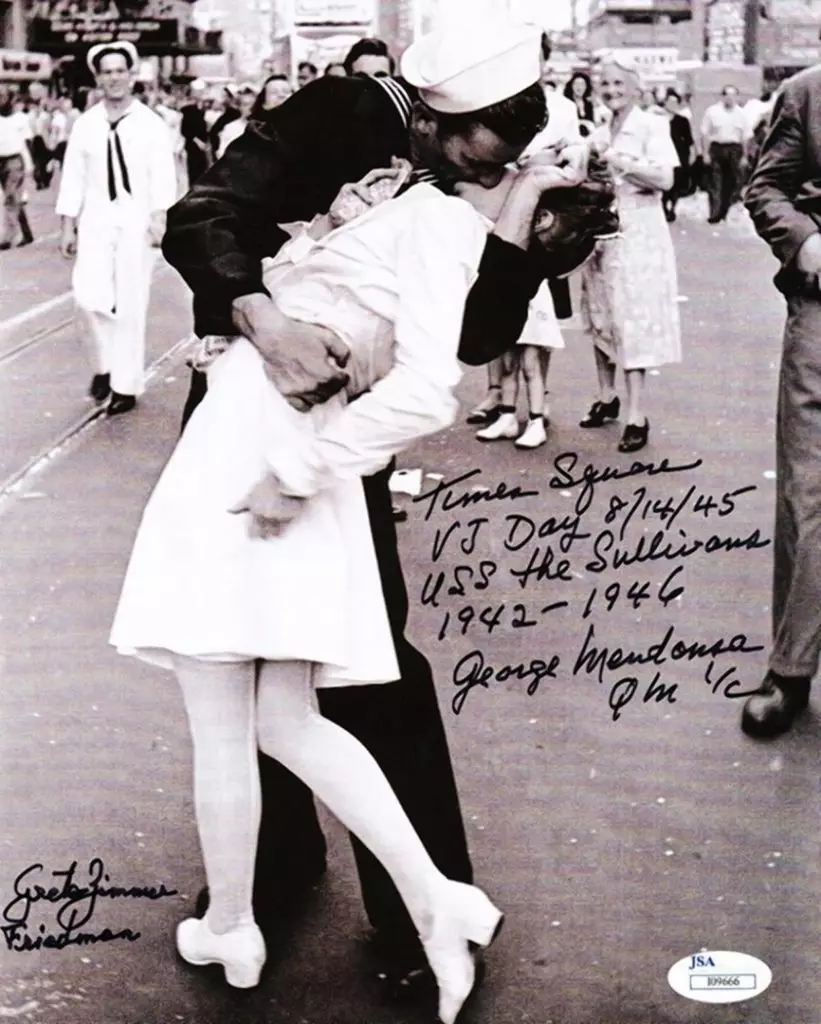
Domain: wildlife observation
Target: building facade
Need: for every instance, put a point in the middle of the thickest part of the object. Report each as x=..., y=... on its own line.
x=662, y=25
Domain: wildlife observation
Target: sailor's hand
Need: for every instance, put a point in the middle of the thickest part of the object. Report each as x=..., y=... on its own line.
x=304, y=361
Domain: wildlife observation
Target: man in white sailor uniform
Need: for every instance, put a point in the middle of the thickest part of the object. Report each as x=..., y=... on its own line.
x=117, y=183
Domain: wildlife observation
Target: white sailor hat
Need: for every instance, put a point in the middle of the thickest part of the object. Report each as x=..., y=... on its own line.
x=474, y=65
x=123, y=46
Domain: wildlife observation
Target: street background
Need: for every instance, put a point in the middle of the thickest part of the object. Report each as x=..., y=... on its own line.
x=615, y=847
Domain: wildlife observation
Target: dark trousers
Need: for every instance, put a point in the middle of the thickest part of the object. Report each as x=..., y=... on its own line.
x=25, y=227
x=41, y=156
x=681, y=185
x=797, y=536
x=12, y=177
x=724, y=179
x=196, y=163
x=401, y=725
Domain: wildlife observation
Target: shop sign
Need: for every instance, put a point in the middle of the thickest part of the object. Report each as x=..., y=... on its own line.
x=334, y=12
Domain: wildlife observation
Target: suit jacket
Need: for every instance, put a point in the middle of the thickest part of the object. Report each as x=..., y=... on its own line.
x=289, y=166
x=783, y=195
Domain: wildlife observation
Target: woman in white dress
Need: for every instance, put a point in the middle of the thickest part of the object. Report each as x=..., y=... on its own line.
x=253, y=574
x=629, y=288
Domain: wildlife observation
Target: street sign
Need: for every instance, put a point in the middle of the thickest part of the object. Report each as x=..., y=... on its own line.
x=656, y=63
x=334, y=12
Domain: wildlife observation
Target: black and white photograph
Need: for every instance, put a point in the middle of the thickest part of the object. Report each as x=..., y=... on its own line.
x=410, y=512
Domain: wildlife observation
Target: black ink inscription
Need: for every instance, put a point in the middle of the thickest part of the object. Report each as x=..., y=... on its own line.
x=471, y=671
x=565, y=465
x=444, y=497
x=75, y=903
x=636, y=544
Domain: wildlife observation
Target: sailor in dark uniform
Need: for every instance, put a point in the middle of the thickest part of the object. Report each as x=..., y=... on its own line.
x=289, y=167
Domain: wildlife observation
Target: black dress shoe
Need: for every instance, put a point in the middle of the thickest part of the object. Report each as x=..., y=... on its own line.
x=484, y=417
x=399, y=514
x=772, y=710
x=120, y=404
x=634, y=438
x=100, y=387
x=601, y=413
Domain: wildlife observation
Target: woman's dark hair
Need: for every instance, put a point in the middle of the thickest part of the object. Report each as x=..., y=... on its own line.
x=515, y=120
x=306, y=65
x=368, y=48
x=588, y=85
x=258, y=109
x=334, y=64
x=672, y=92
x=582, y=214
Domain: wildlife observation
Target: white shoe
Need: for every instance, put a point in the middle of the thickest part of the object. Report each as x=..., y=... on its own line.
x=463, y=916
x=533, y=435
x=241, y=951
x=506, y=426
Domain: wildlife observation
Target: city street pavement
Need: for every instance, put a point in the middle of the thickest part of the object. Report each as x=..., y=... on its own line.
x=614, y=809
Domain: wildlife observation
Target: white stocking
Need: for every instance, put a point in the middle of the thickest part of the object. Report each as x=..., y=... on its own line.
x=346, y=778
x=220, y=702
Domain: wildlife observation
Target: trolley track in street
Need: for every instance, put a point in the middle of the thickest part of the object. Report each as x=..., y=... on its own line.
x=62, y=442
x=9, y=355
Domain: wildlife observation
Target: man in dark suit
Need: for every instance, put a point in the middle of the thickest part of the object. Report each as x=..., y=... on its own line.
x=289, y=167
x=194, y=130
x=784, y=199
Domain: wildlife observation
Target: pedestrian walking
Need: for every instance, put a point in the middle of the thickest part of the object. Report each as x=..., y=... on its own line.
x=724, y=134
x=194, y=130
x=681, y=132
x=781, y=197
x=275, y=90
x=164, y=104
x=306, y=73
x=118, y=181
x=14, y=162
x=246, y=99
x=41, y=129
x=288, y=167
x=370, y=57
x=579, y=90
x=629, y=288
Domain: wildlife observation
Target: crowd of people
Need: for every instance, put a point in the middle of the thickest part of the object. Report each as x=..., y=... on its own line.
x=346, y=248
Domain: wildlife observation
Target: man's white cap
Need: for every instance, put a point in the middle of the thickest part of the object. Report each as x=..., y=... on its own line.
x=463, y=68
x=198, y=85
x=126, y=48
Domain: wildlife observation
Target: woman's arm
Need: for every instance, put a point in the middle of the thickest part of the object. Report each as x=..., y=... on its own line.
x=654, y=168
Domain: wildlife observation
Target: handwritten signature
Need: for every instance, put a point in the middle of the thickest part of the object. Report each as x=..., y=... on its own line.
x=75, y=898
x=633, y=547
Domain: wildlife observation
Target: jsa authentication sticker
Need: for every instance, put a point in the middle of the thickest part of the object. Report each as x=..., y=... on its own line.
x=720, y=976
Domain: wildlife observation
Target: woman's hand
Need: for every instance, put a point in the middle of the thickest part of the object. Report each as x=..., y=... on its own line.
x=271, y=509
x=378, y=185
x=515, y=220
x=570, y=157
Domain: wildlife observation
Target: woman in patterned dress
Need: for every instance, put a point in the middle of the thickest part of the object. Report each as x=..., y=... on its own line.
x=629, y=287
